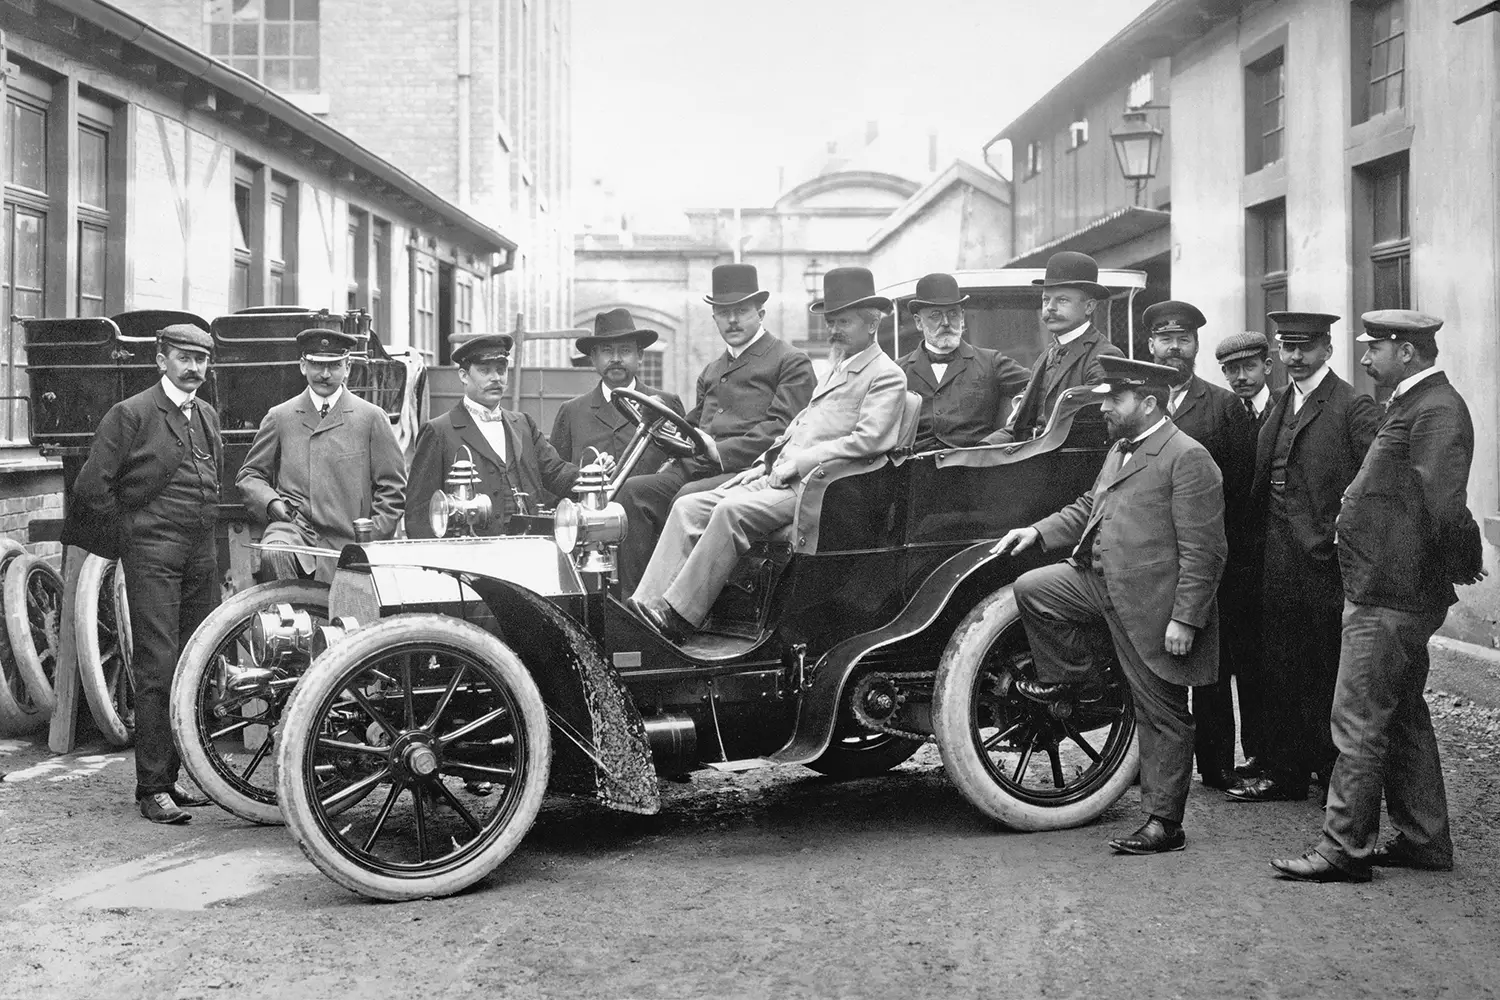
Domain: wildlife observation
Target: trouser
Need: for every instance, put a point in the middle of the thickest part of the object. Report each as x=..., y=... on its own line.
x=1384, y=735
x=171, y=583
x=1240, y=658
x=1069, y=619
x=1213, y=723
x=647, y=501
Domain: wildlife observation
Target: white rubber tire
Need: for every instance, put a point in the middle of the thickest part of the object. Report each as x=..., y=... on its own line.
x=104, y=665
x=187, y=686
x=34, y=629
x=329, y=674
x=952, y=719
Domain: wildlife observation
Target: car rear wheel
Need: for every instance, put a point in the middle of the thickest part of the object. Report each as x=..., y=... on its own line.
x=439, y=726
x=225, y=713
x=1018, y=761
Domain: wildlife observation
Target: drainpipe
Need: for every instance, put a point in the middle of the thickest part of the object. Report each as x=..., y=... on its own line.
x=465, y=139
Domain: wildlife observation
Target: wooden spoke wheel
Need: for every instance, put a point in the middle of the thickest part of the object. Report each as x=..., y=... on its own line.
x=33, y=613
x=19, y=712
x=101, y=624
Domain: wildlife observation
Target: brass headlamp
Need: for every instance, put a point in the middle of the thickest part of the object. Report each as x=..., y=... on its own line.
x=592, y=521
x=277, y=633
x=460, y=505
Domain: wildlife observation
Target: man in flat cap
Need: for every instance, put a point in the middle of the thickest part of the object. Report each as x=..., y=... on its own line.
x=591, y=420
x=1147, y=549
x=746, y=398
x=516, y=464
x=1070, y=294
x=856, y=411
x=1245, y=360
x=966, y=390
x=1405, y=538
x=148, y=495
x=1216, y=419
x=320, y=460
x=1307, y=453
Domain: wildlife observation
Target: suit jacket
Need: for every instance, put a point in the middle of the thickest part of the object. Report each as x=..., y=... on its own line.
x=744, y=403
x=340, y=468
x=854, y=413
x=1215, y=418
x=538, y=465
x=1077, y=364
x=587, y=421
x=139, y=445
x=1408, y=504
x=1160, y=524
x=1333, y=433
x=972, y=400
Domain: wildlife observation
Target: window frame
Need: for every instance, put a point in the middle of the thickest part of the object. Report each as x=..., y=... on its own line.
x=1266, y=285
x=255, y=64
x=1258, y=76
x=1363, y=15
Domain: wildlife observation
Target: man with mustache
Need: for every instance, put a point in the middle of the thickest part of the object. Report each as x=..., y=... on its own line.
x=966, y=390
x=591, y=420
x=320, y=460
x=148, y=495
x=1215, y=418
x=1245, y=360
x=1147, y=548
x=1307, y=454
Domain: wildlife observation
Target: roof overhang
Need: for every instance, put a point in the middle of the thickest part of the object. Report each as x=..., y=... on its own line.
x=1118, y=227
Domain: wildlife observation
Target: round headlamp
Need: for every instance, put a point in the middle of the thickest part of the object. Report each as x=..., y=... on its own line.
x=565, y=524
x=573, y=524
x=437, y=514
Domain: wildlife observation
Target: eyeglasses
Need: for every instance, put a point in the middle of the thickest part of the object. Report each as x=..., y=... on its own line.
x=953, y=315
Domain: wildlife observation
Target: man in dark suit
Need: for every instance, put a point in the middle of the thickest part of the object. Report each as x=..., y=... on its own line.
x=1405, y=538
x=966, y=390
x=1307, y=453
x=1245, y=360
x=148, y=495
x=591, y=420
x=514, y=461
x=1215, y=418
x=1070, y=294
x=1147, y=547
x=746, y=398
x=320, y=460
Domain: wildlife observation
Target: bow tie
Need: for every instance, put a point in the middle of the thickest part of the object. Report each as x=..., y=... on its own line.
x=486, y=417
x=942, y=359
x=1126, y=447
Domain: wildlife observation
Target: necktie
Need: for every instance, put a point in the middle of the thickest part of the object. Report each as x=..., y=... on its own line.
x=491, y=416
x=1249, y=407
x=323, y=412
x=187, y=410
x=1126, y=447
x=942, y=359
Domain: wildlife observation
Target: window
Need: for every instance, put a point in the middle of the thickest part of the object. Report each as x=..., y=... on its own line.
x=23, y=242
x=1382, y=234
x=357, y=256
x=1266, y=277
x=652, y=368
x=281, y=243
x=1033, y=159
x=1265, y=111
x=92, y=182
x=275, y=41
x=817, y=330
x=1078, y=133
x=239, y=289
x=1140, y=92
x=379, y=301
x=424, y=300
x=463, y=304
x=1378, y=38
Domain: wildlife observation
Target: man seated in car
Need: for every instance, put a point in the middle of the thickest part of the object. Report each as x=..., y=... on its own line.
x=855, y=412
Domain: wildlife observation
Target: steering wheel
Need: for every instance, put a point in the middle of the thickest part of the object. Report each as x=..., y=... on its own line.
x=667, y=428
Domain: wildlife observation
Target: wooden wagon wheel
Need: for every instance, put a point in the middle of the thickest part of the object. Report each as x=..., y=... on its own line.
x=101, y=626
x=33, y=612
x=19, y=714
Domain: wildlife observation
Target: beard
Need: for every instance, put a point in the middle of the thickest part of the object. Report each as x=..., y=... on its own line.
x=1182, y=364
x=942, y=343
x=837, y=352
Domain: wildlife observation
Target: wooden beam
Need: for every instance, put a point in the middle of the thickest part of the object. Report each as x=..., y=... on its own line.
x=201, y=96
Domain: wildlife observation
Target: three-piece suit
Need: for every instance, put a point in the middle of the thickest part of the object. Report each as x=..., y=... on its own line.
x=590, y=421
x=1055, y=371
x=970, y=401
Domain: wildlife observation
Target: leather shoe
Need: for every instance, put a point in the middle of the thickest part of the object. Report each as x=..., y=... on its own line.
x=160, y=808
x=1065, y=691
x=1252, y=768
x=185, y=796
x=1267, y=790
x=1155, y=837
x=1313, y=867
x=1399, y=853
x=664, y=619
x=1222, y=780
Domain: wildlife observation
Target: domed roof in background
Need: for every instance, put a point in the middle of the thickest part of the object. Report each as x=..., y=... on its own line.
x=907, y=153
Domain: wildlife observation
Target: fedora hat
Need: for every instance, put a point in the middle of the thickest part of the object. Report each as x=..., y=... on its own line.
x=617, y=324
x=1069, y=269
x=485, y=347
x=940, y=290
x=736, y=283
x=848, y=288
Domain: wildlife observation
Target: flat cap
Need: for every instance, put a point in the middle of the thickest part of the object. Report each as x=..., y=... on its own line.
x=1172, y=316
x=1398, y=324
x=1300, y=327
x=186, y=335
x=1238, y=346
x=319, y=344
x=1127, y=373
x=485, y=347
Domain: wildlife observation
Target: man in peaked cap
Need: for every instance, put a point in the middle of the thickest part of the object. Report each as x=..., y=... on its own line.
x=148, y=495
x=320, y=460
x=746, y=397
x=966, y=390
x=1147, y=549
x=1405, y=538
x=1216, y=419
x=515, y=463
x=1070, y=294
x=1307, y=453
x=591, y=420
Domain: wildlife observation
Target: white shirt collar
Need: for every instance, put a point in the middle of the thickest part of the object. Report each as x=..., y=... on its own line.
x=608, y=392
x=1143, y=435
x=1404, y=386
x=318, y=401
x=1067, y=338
x=176, y=395
x=1308, y=385
x=735, y=352
x=1261, y=399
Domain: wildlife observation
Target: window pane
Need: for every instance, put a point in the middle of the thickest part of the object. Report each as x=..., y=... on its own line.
x=242, y=217
x=250, y=67
x=1275, y=248
x=1389, y=198
x=1392, y=283
x=305, y=39
x=278, y=10
x=1272, y=148
x=278, y=39
x=240, y=293
x=218, y=39
x=305, y=76
x=246, y=39
x=247, y=10
x=278, y=74
x=274, y=296
x=275, y=220
x=27, y=137
x=92, y=167
x=91, y=269
x=1378, y=57
x=306, y=10
x=29, y=268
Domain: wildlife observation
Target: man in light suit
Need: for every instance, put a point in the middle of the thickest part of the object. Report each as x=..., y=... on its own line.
x=514, y=461
x=320, y=460
x=591, y=420
x=966, y=390
x=1148, y=549
x=855, y=412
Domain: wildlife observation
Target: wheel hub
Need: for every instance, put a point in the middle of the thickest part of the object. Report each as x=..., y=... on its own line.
x=414, y=755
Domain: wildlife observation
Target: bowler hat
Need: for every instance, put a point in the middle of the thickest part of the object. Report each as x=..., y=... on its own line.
x=319, y=344
x=485, y=347
x=617, y=324
x=186, y=336
x=1069, y=269
x=1238, y=346
x=940, y=290
x=1301, y=327
x=1398, y=324
x=1127, y=373
x=736, y=283
x=1172, y=316
x=849, y=288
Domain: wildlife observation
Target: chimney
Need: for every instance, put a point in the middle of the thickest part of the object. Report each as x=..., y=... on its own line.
x=872, y=129
x=932, y=150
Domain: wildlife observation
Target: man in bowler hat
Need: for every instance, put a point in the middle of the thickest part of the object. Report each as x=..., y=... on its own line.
x=1070, y=294
x=1405, y=537
x=966, y=391
x=1147, y=549
x=514, y=461
x=1307, y=453
x=591, y=420
x=746, y=397
x=320, y=460
x=148, y=495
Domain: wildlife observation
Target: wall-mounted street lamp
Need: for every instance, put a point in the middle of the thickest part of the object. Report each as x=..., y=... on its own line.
x=1137, y=148
x=812, y=278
